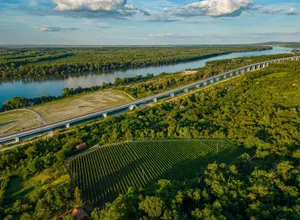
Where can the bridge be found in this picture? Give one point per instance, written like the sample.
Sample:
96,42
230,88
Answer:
152,99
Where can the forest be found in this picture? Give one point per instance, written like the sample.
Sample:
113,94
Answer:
259,112
33,62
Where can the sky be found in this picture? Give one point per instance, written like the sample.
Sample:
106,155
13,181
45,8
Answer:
148,22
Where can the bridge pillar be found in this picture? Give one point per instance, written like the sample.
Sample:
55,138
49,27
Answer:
231,74
17,139
68,125
248,69
50,133
242,71
105,115
132,107
205,83
186,90
198,86
155,100
225,76
218,79
172,94
211,81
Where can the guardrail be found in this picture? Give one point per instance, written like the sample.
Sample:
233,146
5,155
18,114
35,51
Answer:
154,98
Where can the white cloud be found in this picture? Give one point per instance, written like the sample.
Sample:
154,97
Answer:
163,18
273,11
292,11
173,35
97,8
93,5
213,8
54,29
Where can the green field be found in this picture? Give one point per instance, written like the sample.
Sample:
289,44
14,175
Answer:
107,171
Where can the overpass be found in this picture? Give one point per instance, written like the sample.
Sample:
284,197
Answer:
152,99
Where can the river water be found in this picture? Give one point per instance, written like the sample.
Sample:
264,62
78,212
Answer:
53,86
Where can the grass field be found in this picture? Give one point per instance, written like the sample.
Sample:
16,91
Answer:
18,188
16,121
107,171
62,109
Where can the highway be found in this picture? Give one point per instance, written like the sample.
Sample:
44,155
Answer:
67,123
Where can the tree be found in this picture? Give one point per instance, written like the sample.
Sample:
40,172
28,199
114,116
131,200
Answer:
153,206
66,92
78,203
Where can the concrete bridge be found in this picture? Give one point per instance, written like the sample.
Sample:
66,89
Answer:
172,93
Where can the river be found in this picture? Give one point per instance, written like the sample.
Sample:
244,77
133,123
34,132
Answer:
53,86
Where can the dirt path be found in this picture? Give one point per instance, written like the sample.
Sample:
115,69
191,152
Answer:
37,115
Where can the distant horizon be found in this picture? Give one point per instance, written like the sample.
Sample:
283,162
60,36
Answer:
141,45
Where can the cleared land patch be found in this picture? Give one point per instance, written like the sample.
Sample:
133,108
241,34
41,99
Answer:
188,72
58,110
15,121
105,172
81,104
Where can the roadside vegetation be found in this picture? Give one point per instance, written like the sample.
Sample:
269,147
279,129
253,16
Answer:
258,112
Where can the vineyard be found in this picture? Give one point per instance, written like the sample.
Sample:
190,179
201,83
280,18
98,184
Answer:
104,173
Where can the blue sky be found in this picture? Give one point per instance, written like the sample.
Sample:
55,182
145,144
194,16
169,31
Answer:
140,22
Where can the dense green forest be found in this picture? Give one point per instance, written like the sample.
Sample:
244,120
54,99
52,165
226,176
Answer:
258,111
26,62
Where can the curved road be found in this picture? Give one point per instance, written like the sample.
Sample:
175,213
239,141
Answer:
130,106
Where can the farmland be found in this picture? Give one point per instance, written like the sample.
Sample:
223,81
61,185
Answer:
108,171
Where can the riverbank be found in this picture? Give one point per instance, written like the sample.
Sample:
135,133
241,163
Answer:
43,84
